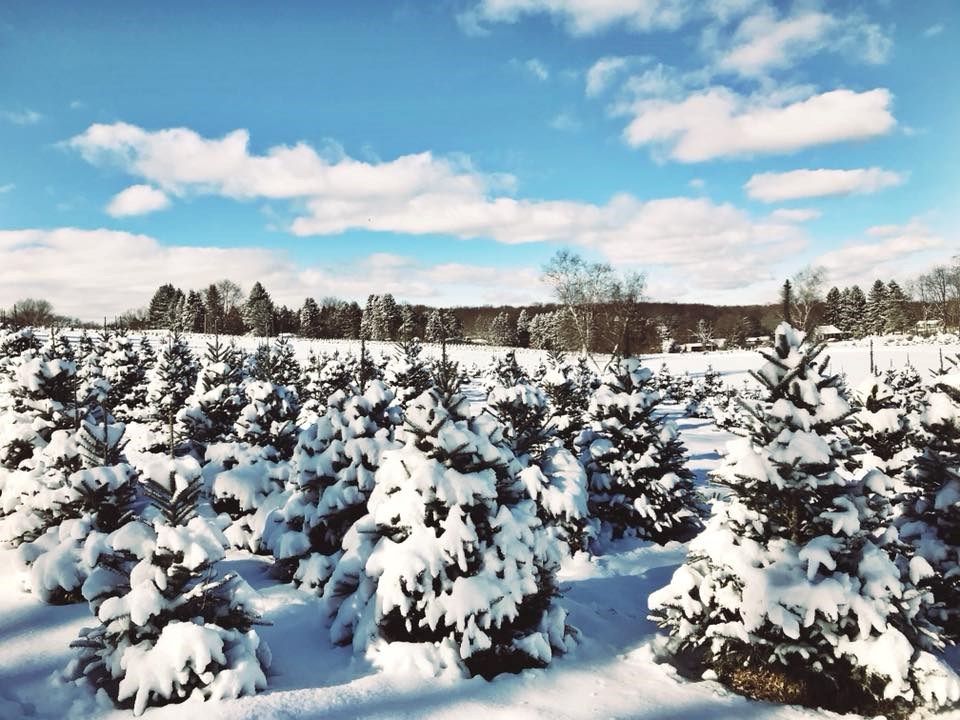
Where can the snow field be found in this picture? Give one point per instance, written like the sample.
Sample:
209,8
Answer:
612,672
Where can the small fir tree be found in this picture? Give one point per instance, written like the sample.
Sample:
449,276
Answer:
639,483
171,383
551,474
334,462
168,625
407,373
797,591
213,409
437,531
269,418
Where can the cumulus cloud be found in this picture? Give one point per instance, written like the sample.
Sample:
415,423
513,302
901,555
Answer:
137,200
179,159
422,194
675,232
583,17
888,257
6,188
933,30
67,266
717,122
775,187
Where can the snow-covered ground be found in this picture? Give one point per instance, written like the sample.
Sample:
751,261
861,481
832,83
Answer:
849,357
612,673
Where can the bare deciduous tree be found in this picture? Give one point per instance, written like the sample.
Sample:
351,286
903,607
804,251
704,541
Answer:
33,311
602,305
704,333
806,294
939,291
231,296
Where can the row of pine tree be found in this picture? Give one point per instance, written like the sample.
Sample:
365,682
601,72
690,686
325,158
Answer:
432,533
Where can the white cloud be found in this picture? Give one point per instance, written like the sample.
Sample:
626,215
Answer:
583,17
180,160
137,200
933,30
67,266
602,73
680,233
6,188
536,68
889,257
795,214
776,187
764,42
697,183
22,117
717,122
421,194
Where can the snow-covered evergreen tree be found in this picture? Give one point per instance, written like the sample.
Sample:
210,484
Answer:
269,418
505,371
568,390
44,390
797,591
334,462
323,376
551,474
896,308
855,311
213,409
366,368
100,440
171,383
147,353
502,331
523,329
58,525
310,321
639,483
277,364
876,320
833,308
932,509
169,627
879,430
908,388
407,373
245,483
707,390
441,574
121,366
443,325
192,316
408,329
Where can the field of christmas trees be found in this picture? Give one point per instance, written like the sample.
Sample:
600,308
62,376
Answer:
196,528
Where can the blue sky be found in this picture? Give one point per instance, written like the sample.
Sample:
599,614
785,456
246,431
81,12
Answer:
443,151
